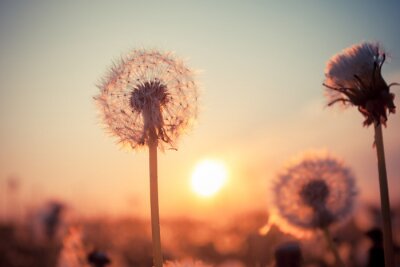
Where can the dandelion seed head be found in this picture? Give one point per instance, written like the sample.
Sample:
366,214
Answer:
314,192
148,92
353,77
357,59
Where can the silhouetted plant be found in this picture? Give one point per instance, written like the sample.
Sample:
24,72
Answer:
313,192
148,99
52,218
354,77
376,255
288,255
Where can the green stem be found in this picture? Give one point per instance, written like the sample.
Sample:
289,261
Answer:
385,203
333,247
155,220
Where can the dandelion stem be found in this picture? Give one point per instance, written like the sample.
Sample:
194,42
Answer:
155,220
385,204
333,247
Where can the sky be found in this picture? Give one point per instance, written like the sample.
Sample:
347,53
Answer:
260,69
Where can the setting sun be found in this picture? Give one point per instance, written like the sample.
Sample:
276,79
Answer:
208,177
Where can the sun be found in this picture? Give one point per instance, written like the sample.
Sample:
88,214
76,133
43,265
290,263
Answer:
208,177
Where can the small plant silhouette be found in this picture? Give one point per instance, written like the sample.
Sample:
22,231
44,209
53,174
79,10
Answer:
148,99
288,255
354,77
98,259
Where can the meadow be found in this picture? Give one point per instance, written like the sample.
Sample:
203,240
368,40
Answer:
127,241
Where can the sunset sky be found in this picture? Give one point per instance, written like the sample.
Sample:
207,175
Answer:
260,69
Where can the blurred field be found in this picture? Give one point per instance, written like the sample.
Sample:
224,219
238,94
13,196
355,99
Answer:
52,236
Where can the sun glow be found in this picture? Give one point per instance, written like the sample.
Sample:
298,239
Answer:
208,178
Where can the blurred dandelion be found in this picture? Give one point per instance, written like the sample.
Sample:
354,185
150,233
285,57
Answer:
354,77
314,192
375,253
148,99
186,263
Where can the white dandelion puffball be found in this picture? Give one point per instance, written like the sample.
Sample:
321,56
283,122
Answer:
148,93
354,77
314,192
357,60
186,263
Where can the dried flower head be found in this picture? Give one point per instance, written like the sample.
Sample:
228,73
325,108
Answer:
354,77
314,192
148,93
186,263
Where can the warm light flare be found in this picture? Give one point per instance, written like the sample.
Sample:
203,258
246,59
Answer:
265,229
284,227
208,178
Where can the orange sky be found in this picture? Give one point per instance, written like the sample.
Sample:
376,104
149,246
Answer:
260,70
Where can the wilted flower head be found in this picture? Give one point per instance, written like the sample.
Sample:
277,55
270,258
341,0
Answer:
314,192
354,77
186,263
148,93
